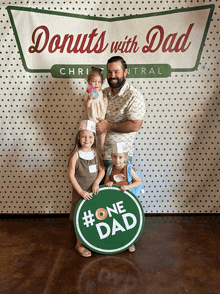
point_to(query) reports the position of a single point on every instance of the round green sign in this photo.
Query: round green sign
(110, 222)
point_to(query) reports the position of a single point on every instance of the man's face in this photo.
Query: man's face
(115, 75)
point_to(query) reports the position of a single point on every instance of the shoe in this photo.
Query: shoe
(84, 252)
(132, 248)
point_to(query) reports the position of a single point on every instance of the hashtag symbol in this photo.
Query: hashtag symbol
(88, 218)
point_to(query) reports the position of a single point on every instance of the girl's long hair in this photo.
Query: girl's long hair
(95, 147)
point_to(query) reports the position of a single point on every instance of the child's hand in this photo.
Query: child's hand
(102, 151)
(109, 184)
(124, 188)
(86, 195)
(95, 189)
(88, 101)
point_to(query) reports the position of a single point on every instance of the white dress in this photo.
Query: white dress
(97, 108)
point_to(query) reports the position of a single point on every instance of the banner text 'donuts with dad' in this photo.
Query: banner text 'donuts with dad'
(67, 48)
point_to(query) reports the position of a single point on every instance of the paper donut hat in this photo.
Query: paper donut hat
(119, 147)
(87, 125)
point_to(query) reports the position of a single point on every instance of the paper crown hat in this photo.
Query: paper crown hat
(87, 125)
(119, 147)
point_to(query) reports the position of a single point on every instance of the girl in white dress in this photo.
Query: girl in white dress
(94, 100)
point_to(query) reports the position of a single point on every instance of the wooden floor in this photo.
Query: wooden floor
(175, 254)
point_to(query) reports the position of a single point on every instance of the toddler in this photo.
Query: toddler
(95, 102)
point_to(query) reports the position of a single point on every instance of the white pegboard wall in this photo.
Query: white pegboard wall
(176, 150)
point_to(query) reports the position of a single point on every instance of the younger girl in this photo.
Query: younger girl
(96, 106)
(85, 170)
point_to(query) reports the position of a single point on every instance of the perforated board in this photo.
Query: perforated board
(176, 150)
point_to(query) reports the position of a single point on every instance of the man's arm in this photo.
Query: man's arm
(127, 126)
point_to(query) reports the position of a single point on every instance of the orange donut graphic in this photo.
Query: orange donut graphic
(101, 214)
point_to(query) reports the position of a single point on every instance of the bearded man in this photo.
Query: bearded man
(125, 112)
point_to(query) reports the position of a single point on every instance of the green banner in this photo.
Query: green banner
(134, 70)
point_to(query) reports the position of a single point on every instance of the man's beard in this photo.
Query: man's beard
(120, 82)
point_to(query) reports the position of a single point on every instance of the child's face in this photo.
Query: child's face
(119, 159)
(96, 82)
(86, 139)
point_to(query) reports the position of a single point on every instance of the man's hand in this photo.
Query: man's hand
(102, 126)
(126, 126)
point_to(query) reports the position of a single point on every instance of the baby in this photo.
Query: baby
(94, 100)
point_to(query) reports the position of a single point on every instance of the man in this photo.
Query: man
(125, 112)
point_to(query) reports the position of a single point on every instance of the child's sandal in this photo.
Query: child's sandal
(84, 252)
(132, 248)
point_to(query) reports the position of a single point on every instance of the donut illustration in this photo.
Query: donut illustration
(101, 214)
